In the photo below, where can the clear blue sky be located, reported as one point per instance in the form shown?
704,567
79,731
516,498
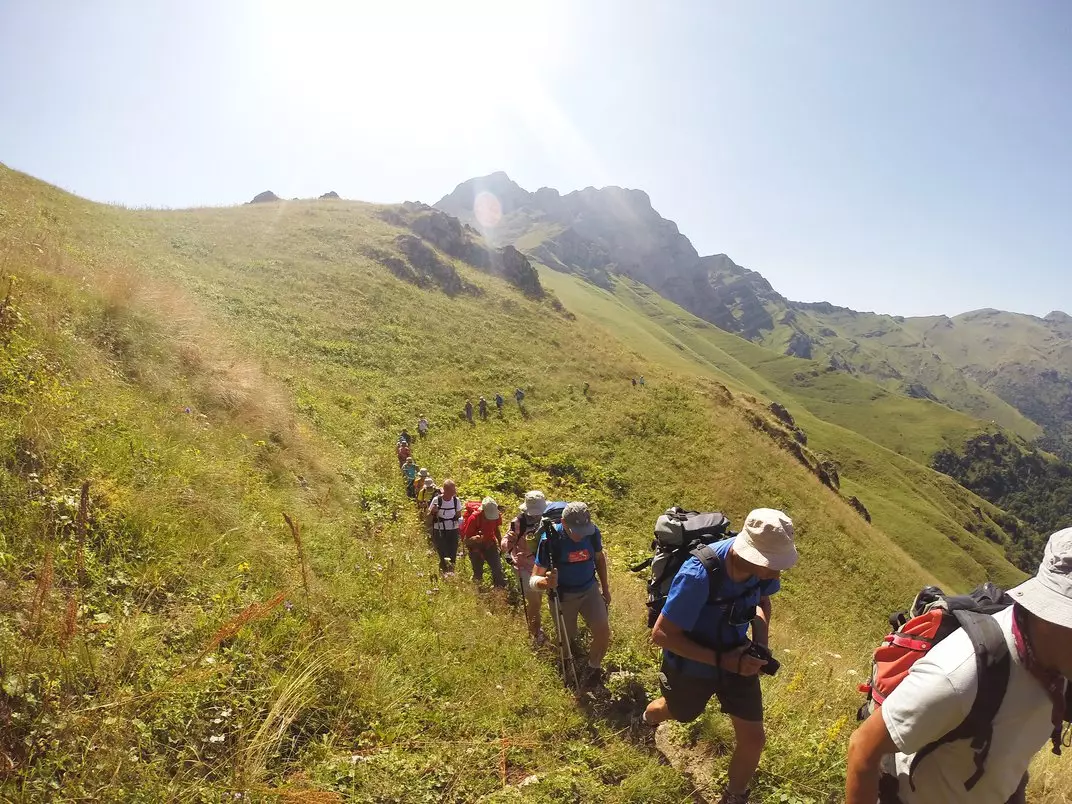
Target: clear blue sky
911,157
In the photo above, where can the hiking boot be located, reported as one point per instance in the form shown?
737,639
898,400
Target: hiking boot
540,639
591,676
735,798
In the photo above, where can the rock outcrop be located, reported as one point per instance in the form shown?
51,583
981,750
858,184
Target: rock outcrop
265,197
329,195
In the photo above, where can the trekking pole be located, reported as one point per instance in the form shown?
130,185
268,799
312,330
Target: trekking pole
565,649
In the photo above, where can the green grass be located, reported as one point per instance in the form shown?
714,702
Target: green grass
299,359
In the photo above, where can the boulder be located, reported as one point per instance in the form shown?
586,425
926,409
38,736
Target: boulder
265,197
859,508
329,195
782,414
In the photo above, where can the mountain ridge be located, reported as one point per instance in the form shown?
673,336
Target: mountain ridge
1014,369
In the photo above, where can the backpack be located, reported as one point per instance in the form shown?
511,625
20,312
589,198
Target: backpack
469,511
680,535
933,617
553,512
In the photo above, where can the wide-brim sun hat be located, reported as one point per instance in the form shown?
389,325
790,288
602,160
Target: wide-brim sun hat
577,518
766,540
535,504
423,473
490,508
429,481
1049,594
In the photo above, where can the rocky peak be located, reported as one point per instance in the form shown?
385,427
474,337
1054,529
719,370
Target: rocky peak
265,197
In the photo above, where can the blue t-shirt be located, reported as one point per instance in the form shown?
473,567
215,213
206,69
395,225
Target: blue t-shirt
576,561
724,625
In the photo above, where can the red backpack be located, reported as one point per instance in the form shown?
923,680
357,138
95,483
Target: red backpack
471,509
934,616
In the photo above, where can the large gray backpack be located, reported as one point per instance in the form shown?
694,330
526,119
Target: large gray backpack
679,535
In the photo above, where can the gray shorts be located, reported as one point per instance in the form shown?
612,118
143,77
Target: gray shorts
589,604
687,696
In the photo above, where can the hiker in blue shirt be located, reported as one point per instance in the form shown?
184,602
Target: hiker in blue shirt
704,636
578,558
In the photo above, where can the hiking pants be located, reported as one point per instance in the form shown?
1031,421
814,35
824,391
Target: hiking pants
446,544
489,553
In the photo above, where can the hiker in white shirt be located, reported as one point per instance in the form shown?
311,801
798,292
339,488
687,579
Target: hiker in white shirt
446,513
937,694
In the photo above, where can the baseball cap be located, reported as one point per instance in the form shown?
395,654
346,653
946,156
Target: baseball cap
490,508
535,504
767,540
1049,594
577,518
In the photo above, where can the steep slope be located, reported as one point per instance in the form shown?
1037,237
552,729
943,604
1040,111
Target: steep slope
207,370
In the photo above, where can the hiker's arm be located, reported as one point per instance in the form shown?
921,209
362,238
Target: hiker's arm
761,624
673,638
601,570
541,580
869,744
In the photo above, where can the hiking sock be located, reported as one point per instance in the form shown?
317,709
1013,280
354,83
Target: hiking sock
644,717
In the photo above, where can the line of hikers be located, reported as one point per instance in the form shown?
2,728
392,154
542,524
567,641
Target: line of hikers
482,405
963,693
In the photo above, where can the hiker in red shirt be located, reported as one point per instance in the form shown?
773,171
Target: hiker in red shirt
403,452
481,530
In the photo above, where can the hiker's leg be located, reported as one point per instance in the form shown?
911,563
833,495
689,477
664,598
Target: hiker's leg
684,697
451,543
750,741
476,561
742,699
594,610
570,606
533,603
496,567
440,548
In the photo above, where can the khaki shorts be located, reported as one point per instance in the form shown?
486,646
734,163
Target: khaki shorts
533,597
589,604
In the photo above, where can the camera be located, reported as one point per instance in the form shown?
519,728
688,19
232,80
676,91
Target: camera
760,652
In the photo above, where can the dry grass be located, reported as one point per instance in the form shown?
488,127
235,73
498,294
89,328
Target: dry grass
250,614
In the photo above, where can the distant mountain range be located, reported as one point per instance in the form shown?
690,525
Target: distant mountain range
1010,368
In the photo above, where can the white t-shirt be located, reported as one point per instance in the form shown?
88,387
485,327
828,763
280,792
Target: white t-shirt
935,698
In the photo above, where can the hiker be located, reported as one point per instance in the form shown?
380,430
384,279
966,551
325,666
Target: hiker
469,411
641,381
409,471
519,545
634,382
422,427
481,533
585,389
519,395
575,548
425,494
499,402
445,511
404,436
418,481
403,452
704,636
482,404
939,692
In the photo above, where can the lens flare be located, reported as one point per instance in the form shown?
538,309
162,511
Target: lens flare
487,210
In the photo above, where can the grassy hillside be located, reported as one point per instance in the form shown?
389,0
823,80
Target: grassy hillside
170,638
881,441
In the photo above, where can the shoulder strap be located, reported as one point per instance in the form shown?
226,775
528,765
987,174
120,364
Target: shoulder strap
993,665
715,569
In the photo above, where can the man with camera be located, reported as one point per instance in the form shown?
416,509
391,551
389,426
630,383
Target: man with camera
703,631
